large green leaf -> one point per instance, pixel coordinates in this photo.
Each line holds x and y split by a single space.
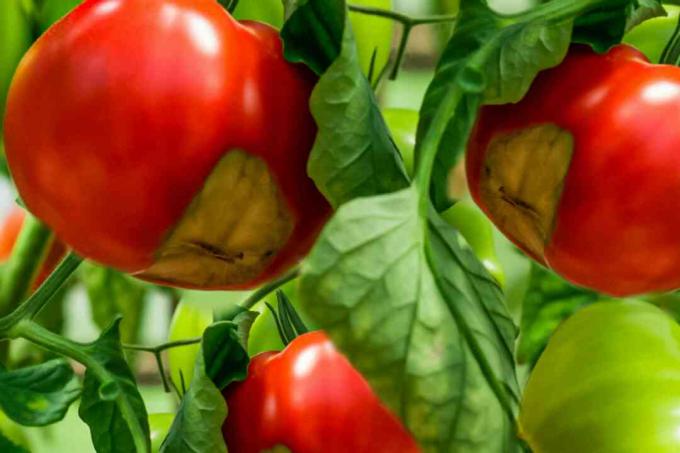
115 408
198 424
420 318
38 395
353 155
7 446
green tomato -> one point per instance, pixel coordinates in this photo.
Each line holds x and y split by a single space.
189 321
403 124
269 11
372 34
476 229
159 426
465 216
15 39
651 36
608 382
53 10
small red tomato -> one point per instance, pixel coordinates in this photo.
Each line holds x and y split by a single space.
309 399
584 173
166 139
9 233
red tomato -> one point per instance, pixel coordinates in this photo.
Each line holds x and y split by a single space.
166 139
9 233
309 399
584 172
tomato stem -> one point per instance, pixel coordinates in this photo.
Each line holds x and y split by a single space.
407 22
24 264
34 304
270 287
157 352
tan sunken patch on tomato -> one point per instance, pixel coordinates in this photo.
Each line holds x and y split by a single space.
231 231
522 181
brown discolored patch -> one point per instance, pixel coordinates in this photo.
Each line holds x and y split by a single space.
522 181
231 231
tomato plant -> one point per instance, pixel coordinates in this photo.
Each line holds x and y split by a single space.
578 215
185 144
320 403
607 382
177 141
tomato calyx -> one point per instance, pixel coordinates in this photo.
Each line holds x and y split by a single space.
288 322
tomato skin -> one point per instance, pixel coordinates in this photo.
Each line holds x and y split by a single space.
615 225
9 233
138 103
609 382
309 398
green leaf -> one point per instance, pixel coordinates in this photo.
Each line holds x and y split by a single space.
112 294
198 424
7 446
39 395
549 301
644 10
353 155
420 318
112 409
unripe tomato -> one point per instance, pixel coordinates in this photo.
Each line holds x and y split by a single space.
15 39
372 34
159 426
268 11
52 10
309 399
464 216
189 321
608 382
9 233
165 139
478 232
651 36
584 173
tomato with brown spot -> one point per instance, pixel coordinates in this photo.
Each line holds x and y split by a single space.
308 398
584 173
165 139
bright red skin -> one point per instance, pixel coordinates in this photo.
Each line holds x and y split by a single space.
617 225
9 233
120 111
309 399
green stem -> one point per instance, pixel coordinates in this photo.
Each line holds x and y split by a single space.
32 306
40 336
24 264
268 288
407 23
